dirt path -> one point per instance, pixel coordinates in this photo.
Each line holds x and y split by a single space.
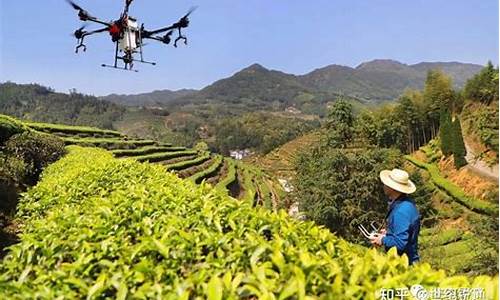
480 167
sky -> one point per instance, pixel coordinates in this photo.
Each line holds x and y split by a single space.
36 43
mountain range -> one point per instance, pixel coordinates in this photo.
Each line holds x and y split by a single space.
256 87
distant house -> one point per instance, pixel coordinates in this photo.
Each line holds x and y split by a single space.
240 154
292 110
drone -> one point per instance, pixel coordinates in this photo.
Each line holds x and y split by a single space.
127 35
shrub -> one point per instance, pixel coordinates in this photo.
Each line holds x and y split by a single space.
8 127
131 230
458 145
12 179
36 150
454 191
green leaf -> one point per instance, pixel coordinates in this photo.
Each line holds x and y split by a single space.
214 289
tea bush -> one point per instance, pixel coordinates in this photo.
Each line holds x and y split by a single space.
100 227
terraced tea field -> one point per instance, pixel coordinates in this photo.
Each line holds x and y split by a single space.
239 180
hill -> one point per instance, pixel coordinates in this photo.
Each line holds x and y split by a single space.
36 102
256 87
153 99
382 80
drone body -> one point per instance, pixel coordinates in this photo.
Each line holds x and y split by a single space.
127 35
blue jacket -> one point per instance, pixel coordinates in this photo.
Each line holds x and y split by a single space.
403 227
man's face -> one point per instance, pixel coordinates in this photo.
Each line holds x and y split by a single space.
387 191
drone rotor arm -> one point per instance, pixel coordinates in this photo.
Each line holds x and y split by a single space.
147 33
96 31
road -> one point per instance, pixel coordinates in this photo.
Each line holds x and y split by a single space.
480 167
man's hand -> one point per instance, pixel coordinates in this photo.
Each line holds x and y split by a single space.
376 240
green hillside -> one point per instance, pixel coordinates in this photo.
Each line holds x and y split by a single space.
186 163
100 227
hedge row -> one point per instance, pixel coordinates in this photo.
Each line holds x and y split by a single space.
454 191
98 227
210 171
145 150
53 128
224 183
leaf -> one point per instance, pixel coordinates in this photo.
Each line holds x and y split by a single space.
215 289
289 290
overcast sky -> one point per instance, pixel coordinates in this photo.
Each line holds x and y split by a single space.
227 35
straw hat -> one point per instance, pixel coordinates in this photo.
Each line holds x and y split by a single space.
398 180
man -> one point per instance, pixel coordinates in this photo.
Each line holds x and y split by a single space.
403 218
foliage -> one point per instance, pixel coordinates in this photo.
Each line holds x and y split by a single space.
483 87
189 163
209 171
339 124
8 127
442 238
482 121
108 143
38 103
486 231
201 147
36 150
230 177
454 191
422 197
341 189
145 150
59 128
458 145
132 231
438 92
446 132
259 131
12 181
155 157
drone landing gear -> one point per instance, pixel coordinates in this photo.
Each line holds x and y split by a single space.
81 46
180 38
122 69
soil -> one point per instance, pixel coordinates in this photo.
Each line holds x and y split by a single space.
185 173
219 175
176 160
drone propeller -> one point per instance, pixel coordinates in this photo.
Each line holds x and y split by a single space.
80 32
74 5
82 13
190 11
184 21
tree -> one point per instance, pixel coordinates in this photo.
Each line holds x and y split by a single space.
340 124
445 132
406 112
438 92
483 87
458 145
340 188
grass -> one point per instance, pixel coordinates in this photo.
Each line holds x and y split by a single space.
454 191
